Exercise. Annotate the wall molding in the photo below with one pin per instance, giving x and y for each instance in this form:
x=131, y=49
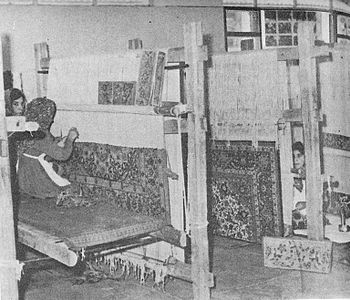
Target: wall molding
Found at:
x=331, y=5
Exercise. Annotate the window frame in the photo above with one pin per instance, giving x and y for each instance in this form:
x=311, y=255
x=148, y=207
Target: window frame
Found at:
x=292, y=23
x=241, y=33
x=261, y=19
x=337, y=35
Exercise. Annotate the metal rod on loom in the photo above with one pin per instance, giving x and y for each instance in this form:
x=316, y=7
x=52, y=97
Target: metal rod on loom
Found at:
x=136, y=110
x=177, y=67
x=106, y=250
x=171, y=109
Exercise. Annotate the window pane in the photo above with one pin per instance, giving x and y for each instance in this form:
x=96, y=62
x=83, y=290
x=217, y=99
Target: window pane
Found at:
x=271, y=41
x=299, y=15
x=235, y=43
x=311, y=16
x=295, y=27
x=285, y=40
x=295, y=40
x=284, y=27
x=284, y=15
x=270, y=27
x=343, y=41
x=287, y=26
x=242, y=21
x=270, y=15
x=342, y=24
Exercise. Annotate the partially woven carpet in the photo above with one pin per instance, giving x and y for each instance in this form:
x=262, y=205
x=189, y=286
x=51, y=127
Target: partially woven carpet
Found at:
x=131, y=177
x=244, y=191
x=82, y=227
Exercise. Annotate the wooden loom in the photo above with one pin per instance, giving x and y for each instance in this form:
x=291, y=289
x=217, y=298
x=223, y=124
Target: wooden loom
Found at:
x=70, y=250
x=296, y=257
x=309, y=115
x=250, y=91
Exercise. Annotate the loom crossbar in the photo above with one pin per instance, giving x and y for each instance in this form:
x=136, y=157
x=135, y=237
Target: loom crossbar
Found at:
x=47, y=244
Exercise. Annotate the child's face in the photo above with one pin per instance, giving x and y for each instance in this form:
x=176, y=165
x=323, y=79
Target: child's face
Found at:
x=18, y=107
x=299, y=159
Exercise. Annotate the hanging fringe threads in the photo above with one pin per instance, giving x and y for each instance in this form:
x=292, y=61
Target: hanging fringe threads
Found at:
x=118, y=266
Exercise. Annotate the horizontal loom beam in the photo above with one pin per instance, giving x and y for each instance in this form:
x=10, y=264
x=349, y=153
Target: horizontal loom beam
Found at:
x=47, y=244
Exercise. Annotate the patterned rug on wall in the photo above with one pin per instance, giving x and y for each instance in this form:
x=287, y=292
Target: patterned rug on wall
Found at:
x=244, y=191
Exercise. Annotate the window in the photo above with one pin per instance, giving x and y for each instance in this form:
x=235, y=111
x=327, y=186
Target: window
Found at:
x=255, y=29
x=343, y=29
x=242, y=30
x=281, y=26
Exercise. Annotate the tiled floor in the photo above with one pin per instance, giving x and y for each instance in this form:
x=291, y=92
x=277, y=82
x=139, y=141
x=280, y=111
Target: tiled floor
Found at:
x=237, y=266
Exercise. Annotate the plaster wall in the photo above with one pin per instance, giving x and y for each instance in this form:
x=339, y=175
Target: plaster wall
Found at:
x=80, y=30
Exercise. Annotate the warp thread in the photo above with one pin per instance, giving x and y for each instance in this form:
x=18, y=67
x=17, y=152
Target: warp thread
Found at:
x=123, y=265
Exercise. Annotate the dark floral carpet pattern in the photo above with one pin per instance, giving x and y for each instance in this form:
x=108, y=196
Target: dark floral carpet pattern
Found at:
x=116, y=92
x=146, y=72
x=131, y=177
x=287, y=253
x=145, y=91
x=245, y=198
x=336, y=141
x=150, y=78
x=158, y=82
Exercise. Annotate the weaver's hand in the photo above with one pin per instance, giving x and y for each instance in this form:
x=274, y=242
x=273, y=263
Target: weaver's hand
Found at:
x=298, y=184
x=73, y=134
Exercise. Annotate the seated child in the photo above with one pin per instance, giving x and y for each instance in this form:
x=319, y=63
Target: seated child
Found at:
x=299, y=219
x=299, y=196
x=36, y=174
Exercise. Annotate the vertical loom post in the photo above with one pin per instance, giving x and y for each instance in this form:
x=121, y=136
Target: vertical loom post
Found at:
x=8, y=280
x=310, y=117
x=286, y=162
x=42, y=59
x=285, y=150
x=197, y=176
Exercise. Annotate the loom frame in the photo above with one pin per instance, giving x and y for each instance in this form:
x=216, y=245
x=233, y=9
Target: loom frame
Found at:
x=194, y=54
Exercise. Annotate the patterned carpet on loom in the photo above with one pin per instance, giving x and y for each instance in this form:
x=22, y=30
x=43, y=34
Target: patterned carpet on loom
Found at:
x=127, y=188
x=244, y=191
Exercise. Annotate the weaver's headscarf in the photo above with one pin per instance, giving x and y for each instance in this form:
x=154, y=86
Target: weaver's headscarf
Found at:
x=42, y=111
